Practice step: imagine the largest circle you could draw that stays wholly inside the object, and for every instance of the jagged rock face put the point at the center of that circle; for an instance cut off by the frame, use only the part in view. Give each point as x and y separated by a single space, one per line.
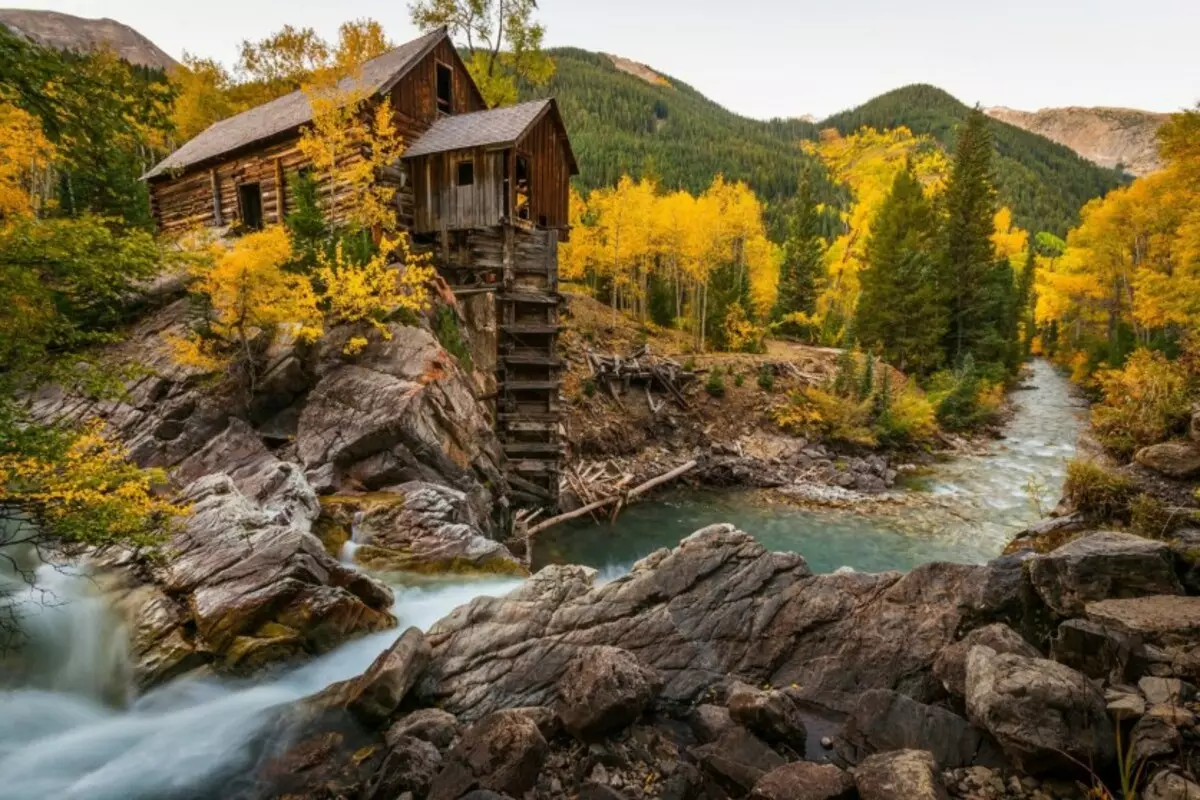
251 582
1107 136
421 527
718 605
402 410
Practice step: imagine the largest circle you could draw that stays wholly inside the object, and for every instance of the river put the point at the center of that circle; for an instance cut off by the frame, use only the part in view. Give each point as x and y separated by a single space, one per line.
63 736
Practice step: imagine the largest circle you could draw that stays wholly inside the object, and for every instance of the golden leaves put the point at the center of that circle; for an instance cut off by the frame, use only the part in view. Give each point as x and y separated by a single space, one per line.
25 158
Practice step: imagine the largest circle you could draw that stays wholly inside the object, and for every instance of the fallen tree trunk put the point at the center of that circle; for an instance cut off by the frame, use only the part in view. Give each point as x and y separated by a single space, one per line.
624 497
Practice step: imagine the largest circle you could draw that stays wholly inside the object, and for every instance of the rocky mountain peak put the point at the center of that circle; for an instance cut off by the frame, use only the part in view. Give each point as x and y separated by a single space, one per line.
67 32
1106 136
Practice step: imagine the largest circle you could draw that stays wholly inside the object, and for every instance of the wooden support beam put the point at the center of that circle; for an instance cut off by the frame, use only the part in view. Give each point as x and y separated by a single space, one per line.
218 221
279 191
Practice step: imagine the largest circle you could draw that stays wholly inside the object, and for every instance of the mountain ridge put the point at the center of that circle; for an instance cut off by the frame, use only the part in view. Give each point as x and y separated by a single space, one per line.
61 31
1106 135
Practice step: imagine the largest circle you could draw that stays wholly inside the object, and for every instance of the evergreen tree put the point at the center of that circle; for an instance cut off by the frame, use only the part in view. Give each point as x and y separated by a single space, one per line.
899 309
970 270
802 250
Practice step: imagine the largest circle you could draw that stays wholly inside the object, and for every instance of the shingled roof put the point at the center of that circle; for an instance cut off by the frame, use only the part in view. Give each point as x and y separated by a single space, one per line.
498 127
291 111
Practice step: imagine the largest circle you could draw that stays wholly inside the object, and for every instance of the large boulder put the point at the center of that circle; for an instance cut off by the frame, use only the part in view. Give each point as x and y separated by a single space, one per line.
603 690
1163 620
1103 566
427 724
771 714
503 752
373 696
802 780
950 666
1179 460
410 766
737 760
1170 785
911 774
717 605
1095 650
884 720
420 527
1043 714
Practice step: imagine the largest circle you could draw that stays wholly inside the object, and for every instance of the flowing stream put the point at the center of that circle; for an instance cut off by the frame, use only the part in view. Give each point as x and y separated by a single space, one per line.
68 729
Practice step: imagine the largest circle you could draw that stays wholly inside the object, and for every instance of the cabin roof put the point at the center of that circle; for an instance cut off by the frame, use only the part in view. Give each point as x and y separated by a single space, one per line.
378 76
497 127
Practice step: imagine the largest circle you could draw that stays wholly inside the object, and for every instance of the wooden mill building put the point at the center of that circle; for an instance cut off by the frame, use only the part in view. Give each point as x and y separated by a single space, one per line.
484 190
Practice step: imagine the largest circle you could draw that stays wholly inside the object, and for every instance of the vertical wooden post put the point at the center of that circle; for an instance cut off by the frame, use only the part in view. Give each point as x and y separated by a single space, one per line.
279 191
218 221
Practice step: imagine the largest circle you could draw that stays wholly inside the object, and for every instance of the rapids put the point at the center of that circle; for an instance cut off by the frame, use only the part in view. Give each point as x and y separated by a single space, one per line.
70 727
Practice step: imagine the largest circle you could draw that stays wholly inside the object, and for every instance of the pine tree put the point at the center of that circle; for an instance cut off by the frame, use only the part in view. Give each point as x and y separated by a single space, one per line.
899 309
968 259
802 250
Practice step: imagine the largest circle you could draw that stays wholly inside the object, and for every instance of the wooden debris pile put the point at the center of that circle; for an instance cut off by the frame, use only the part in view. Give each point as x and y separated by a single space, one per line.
618 375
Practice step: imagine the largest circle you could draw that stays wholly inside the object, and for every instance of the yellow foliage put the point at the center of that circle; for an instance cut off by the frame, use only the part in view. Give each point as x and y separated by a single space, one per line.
867 163
203 96
355 346
1010 241
25 158
88 492
1145 402
816 413
741 335
369 292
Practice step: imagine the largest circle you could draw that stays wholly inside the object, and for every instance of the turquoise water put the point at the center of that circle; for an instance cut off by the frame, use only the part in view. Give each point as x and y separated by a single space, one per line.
966 510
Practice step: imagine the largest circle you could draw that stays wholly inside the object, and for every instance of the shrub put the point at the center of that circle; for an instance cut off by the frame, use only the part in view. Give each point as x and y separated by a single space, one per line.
1145 402
716 383
963 399
739 380
815 412
905 418
739 334
450 336
589 388
1151 517
1097 493
766 378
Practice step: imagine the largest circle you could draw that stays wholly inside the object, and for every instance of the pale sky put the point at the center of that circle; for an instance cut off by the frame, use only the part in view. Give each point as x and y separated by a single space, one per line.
766 58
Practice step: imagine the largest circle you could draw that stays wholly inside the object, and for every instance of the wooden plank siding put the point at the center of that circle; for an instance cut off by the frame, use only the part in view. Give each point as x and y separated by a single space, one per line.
550 178
443 205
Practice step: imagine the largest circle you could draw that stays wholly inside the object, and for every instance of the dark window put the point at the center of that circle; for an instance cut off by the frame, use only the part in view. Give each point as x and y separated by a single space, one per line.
250 205
466 173
445 89
524 191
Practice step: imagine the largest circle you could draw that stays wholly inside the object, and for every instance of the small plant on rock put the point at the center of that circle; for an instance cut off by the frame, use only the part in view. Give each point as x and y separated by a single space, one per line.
716 383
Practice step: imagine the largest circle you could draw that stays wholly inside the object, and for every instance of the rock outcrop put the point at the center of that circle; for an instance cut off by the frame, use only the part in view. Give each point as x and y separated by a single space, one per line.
1103 565
1107 136
1180 460
717 605
66 32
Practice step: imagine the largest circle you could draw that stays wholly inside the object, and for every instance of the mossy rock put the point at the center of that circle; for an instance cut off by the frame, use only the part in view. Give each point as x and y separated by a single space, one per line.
384 559
249 654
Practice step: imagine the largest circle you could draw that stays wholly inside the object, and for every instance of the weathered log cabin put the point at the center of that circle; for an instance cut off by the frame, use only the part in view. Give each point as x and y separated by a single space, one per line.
484 190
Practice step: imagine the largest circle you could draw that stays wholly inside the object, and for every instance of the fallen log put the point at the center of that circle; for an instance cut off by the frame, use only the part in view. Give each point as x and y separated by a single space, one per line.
623 498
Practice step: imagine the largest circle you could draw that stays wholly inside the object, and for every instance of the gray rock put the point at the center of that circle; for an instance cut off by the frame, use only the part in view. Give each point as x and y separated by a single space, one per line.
1170 691
373 696
708 722
770 714
1154 737
717 605
410 766
1095 650
1169 785
1180 460
802 780
1042 713
1185 544
950 666
422 527
427 724
1103 566
503 752
1124 705
604 689
1162 620
738 759
911 774
884 720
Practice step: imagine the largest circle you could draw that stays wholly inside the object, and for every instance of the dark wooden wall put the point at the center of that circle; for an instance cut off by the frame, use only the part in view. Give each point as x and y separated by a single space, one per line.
551 172
414 98
441 204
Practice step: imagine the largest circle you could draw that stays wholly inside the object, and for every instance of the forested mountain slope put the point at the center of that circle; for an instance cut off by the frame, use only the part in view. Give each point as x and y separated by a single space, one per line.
623 124
1044 183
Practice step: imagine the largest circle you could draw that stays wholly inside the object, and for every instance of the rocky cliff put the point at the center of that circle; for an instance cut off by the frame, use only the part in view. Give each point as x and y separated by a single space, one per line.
1107 136
67 32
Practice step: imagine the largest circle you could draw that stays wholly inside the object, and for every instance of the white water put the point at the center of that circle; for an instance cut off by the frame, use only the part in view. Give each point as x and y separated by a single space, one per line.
60 739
